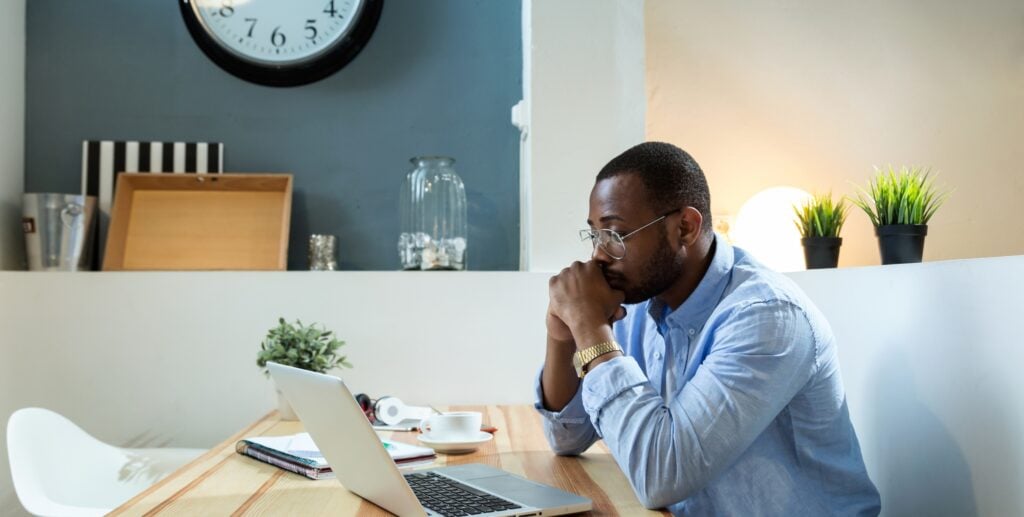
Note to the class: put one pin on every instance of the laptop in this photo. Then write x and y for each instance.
(333, 419)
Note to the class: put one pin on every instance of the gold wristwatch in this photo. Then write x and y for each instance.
(582, 358)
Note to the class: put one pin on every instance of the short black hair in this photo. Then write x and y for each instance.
(671, 176)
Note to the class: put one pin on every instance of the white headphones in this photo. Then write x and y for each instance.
(391, 411)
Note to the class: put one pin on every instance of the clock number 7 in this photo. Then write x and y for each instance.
(331, 10)
(310, 27)
(251, 27)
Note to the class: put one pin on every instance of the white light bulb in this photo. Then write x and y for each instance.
(764, 227)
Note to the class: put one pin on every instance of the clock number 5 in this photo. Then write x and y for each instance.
(277, 39)
(311, 29)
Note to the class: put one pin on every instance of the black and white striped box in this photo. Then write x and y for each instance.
(103, 160)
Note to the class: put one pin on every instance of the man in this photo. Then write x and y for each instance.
(725, 397)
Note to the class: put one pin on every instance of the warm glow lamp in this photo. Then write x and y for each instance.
(764, 227)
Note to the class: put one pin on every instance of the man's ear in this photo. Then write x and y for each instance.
(690, 225)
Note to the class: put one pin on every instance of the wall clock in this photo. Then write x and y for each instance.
(281, 42)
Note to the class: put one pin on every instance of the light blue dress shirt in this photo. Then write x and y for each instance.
(732, 404)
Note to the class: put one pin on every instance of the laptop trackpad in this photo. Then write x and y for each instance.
(527, 492)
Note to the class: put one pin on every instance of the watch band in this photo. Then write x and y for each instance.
(582, 358)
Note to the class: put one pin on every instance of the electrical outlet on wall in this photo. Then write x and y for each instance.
(723, 224)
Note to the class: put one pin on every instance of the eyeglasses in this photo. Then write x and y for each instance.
(611, 242)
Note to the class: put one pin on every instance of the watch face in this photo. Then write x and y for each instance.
(281, 42)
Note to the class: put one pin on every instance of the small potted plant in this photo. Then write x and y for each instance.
(820, 220)
(303, 346)
(900, 203)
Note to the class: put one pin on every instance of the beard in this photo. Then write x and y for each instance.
(657, 274)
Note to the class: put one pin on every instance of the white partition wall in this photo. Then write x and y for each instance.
(930, 357)
(149, 359)
(12, 131)
(584, 92)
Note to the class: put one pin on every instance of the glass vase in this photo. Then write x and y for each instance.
(433, 216)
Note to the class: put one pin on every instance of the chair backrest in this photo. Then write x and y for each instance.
(59, 469)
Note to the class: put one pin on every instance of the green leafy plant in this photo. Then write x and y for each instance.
(906, 196)
(301, 346)
(820, 216)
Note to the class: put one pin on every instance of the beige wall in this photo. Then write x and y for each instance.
(813, 94)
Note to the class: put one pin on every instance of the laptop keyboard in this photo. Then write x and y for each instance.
(453, 499)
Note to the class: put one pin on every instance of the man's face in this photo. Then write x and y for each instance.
(650, 265)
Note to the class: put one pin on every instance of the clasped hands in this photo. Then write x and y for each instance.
(582, 306)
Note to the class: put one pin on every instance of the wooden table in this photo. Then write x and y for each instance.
(223, 482)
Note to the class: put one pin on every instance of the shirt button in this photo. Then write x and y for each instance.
(657, 355)
(692, 332)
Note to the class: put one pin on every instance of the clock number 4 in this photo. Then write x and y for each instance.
(331, 10)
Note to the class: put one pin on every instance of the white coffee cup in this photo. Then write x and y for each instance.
(453, 426)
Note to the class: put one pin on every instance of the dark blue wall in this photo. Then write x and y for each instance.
(437, 77)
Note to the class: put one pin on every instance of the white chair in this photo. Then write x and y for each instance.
(60, 470)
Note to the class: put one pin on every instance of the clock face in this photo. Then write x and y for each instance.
(281, 42)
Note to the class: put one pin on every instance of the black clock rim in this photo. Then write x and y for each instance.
(341, 54)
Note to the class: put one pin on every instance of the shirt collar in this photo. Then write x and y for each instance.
(698, 306)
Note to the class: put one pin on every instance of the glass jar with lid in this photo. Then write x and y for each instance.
(433, 216)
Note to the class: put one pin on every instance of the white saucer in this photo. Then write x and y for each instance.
(454, 447)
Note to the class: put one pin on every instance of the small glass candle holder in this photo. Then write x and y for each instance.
(321, 252)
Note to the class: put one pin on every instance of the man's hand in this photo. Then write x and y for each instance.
(582, 300)
(557, 329)
(581, 308)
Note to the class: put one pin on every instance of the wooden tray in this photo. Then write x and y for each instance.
(198, 221)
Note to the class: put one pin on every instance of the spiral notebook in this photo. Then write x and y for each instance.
(299, 454)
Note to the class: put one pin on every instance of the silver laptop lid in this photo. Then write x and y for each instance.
(344, 436)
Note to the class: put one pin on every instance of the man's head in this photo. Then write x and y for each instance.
(646, 182)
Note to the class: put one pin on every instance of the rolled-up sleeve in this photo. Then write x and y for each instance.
(569, 431)
(762, 354)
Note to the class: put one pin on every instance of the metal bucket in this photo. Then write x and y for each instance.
(58, 231)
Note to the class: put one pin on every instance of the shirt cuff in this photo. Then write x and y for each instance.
(572, 413)
(609, 380)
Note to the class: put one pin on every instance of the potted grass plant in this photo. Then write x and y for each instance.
(302, 346)
(820, 220)
(900, 203)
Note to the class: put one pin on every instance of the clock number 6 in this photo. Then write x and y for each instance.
(311, 28)
(277, 38)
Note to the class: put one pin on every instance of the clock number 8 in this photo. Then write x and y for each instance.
(227, 8)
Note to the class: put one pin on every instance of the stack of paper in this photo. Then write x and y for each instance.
(297, 453)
